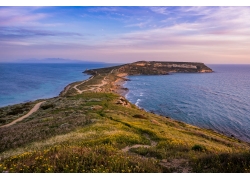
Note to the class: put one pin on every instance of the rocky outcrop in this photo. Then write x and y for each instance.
(154, 68)
(122, 101)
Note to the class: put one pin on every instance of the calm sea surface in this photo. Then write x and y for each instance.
(218, 101)
(25, 82)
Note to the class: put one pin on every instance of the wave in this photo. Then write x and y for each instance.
(137, 102)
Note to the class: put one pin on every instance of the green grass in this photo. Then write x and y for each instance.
(76, 159)
(69, 134)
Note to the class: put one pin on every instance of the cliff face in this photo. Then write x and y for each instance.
(154, 68)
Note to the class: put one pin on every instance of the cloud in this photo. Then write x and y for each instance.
(103, 9)
(140, 24)
(210, 33)
(17, 16)
(160, 10)
(27, 17)
(21, 33)
(160, 32)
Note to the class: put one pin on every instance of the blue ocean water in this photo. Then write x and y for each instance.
(218, 100)
(26, 82)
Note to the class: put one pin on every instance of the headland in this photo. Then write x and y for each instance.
(111, 78)
(91, 127)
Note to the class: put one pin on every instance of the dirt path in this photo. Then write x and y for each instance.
(95, 87)
(153, 143)
(78, 90)
(34, 109)
(179, 165)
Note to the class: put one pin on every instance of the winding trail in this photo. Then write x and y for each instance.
(78, 90)
(153, 143)
(92, 87)
(179, 165)
(34, 109)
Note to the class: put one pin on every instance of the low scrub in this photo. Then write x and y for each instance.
(139, 116)
(198, 147)
(223, 163)
(98, 159)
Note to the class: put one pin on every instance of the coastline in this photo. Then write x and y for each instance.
(93, 114)
(117, 88)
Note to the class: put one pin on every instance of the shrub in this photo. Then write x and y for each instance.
(223, 163)
(139, 116)
(47, 106)
(197, 147)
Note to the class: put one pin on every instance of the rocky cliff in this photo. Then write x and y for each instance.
(154, 68)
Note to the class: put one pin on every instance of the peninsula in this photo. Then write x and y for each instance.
(111, 78)
(91, 127)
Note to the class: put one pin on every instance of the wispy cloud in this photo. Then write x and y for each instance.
(20, 33)
(140, 24)
(160, 10)
(103, 9)
(134, 32)
(17, 16)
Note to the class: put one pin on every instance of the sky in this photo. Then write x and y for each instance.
(121, 34)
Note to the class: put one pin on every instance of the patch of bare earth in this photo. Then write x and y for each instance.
(179, 165)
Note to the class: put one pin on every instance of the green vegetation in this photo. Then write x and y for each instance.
(91, 132)
(77, 159)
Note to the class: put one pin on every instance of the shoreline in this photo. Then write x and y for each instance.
(123, 91)
(91, 127)
(118, 88)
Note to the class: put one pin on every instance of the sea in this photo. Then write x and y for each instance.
(219, 101)
(26, 82)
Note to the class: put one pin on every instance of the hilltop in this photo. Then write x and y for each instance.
(91, 127)
(154, 68)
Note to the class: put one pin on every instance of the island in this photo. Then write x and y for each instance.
(91, 127)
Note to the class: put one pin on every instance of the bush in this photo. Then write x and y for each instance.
(139, 116)
(223, 163)
(47, 106)
(15, 111)
(197, 147)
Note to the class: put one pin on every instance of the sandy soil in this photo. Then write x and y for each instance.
(118, 84)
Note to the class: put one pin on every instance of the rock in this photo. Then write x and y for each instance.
(64, 125)
(96, 107)
(122, 101)
(119, 102)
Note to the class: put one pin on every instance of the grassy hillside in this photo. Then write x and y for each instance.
(100, 131)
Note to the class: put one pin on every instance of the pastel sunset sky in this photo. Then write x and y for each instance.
(126, 33)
